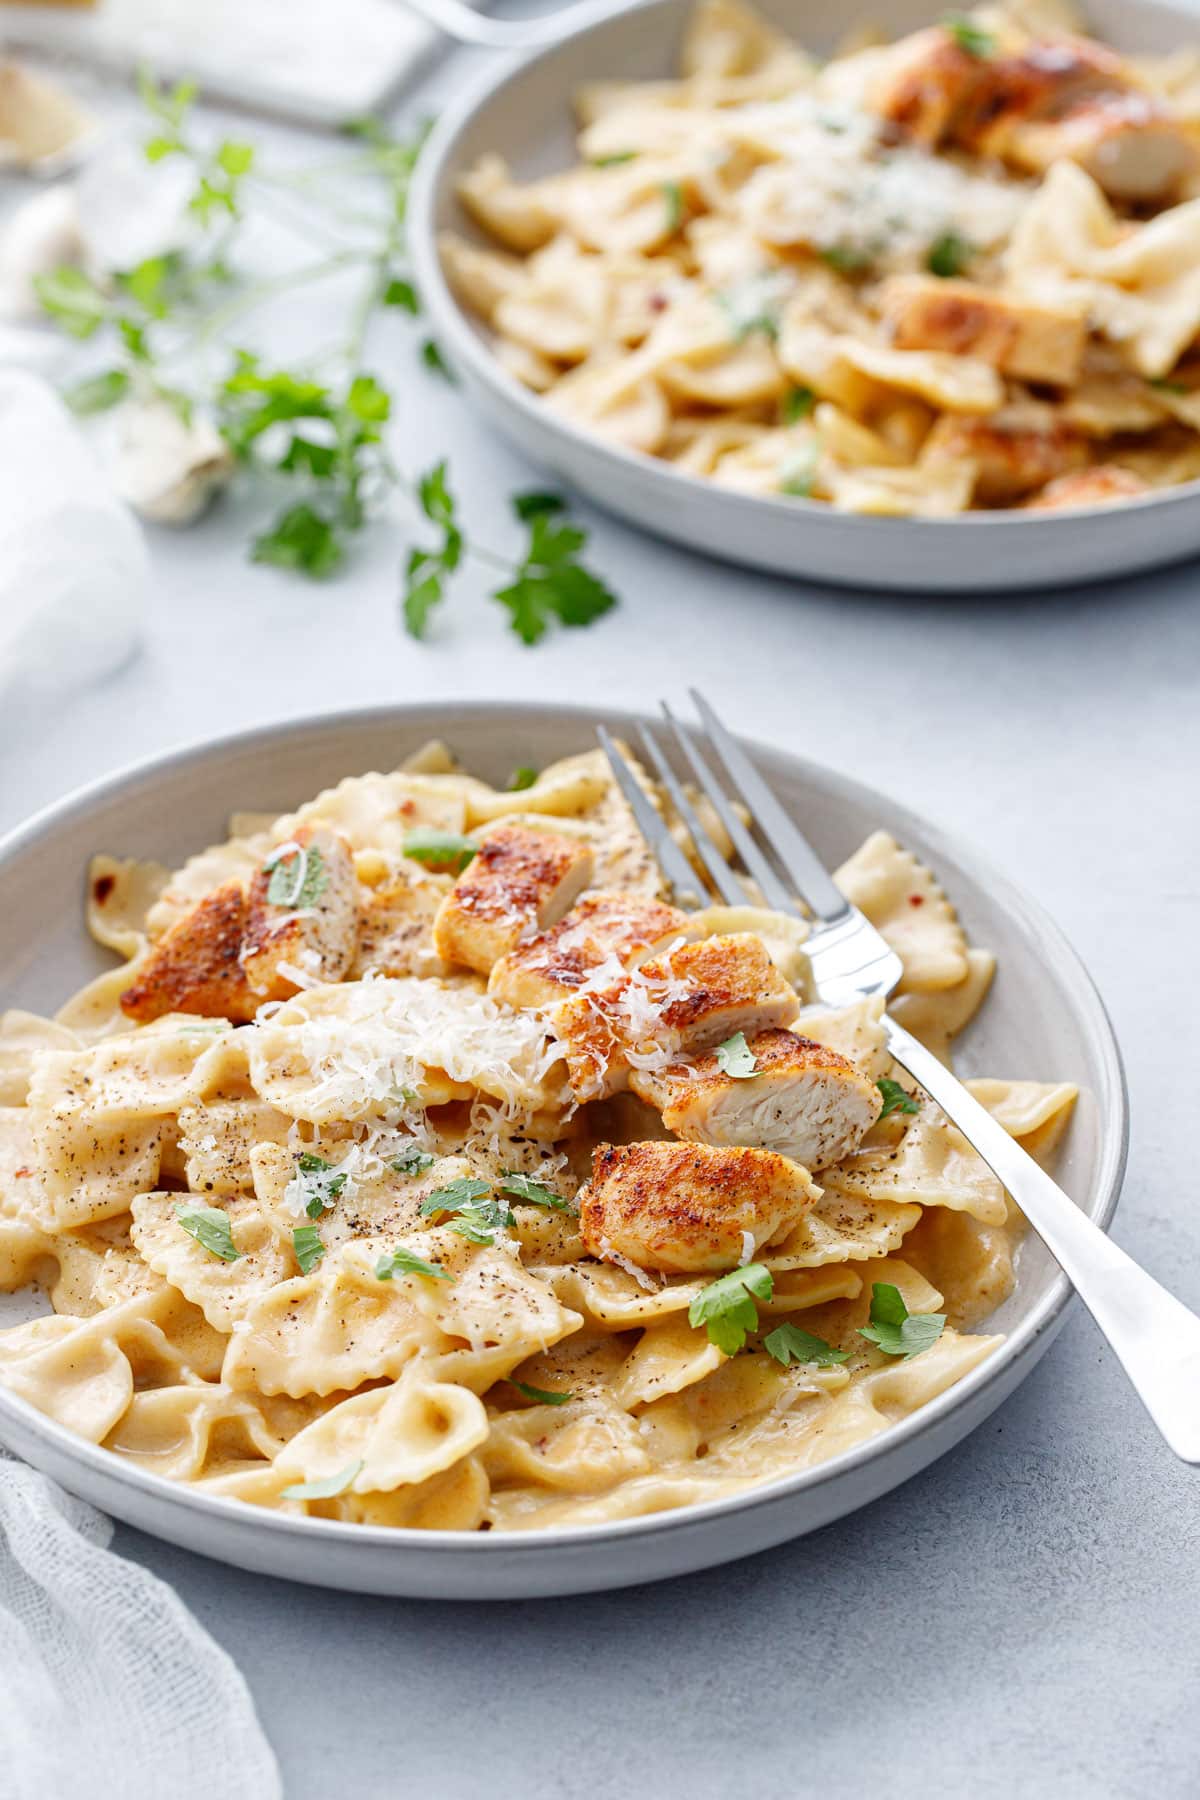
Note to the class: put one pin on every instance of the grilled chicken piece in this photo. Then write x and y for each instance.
(1014, 451)
(598, 927)
(520, 882)
(195, 966)
(670, 1007)
(804, 1100)
(309, 932)
(1018, 337)
(689, 1208)
(1098, 486)
(1054, 98)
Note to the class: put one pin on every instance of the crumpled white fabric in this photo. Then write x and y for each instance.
(109, 1688)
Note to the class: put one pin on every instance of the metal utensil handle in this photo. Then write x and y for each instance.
(1155, 1336)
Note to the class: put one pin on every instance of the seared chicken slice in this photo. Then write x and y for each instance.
(549, 967)
(520, 882)
(804, 1100)
(194, 967)
(689, 1208)
(669, 1008)
(1019, 337)
(1125, 141)
(301, 915)
(1098, 486)
(1014, 451)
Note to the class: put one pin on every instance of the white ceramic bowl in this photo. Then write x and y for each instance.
(1043, 1019)
(522, 110)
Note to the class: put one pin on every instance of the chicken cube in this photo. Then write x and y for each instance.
(599, 927)
(690, 1208)
(1125, 141)
(520, 882)
(669, 1008)
(803, 1100)
(1018, 337)
(195, 966)
(1014, 451)
(1098, 486)
(301, 915)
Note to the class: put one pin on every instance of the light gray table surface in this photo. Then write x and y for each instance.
(1022, 1618)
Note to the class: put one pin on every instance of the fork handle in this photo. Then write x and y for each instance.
(1154, 1335)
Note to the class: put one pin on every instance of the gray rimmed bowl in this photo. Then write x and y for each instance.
(522, 109)
(1043, 1020)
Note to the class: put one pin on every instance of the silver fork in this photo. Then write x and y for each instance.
(1154, 1335)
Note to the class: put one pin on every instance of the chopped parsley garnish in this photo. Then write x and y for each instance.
(431, 356)
(467, 1191)
(406, 1262)
(755, 304)
(796, 404)
(543, 1396)
(440, 849)
(411, 1160)
(298, 876)
(949, 255)
(522, 778)
(798, 474)
(735, 1058)
(319, 1182)
(847, 259)
(98, 392)
(328, 1487)
(550, 582)
(726, 1306)
(1168, 387)
(969, 35)
(895, 1330)
(536, 500)
(896, 1098)
(523, 1187)
(210, 1227)
(610, 162)
(788, 1344)
(306, 1242)
(479, 1224)
(673, 195)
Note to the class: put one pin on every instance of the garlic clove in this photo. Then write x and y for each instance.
(41, 127)
(169, 469)
(41, 235)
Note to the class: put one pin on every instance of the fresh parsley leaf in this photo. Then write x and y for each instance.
(949, 255)
(440, 849)
(235, 158)
(327, 1488)
(303, 456)
(403, 294)
(895, 1097)
(301, 539)
(456, 1195)
(735, 1057)
(969, 35)
(521, 778)
(543, 1396)
(895, 1330)
(479, 1224)
(306, 1242)
(1168, 387)
(432, 357)
(798, 474)
(673, 196)
(320, 1184)
(210, 1227)
(788, 1344)
(796, 404)
(847, 259)
(527, 506)
(368, 401)
(411, 1160)
(754, 304)
(427, 569)
(551, 582)
(72, 300)
(98, 392)
(726, 1306)
(611, 162)
(406, 1262)
(523, 1187)
(149, 282)
(298, 876)
(253, 399)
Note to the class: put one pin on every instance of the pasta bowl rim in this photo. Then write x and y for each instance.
(27, 1431)
(523, 415)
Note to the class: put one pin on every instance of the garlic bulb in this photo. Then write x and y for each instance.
(39, 236)
(41, 127)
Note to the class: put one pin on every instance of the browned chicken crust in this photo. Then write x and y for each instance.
(520, 881)
(194, 967)
(553, 964)
(1015, 451)
(686, 1208)
(1090, 487)
(319, 939)
(1020, 338)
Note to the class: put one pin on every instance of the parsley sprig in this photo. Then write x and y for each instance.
(726, 1306)
(210, 1227)
(172, 323)
(896, 1331)
(896, 1098)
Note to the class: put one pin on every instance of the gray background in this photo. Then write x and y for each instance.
(1021, 1619)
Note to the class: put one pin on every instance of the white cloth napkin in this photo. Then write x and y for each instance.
(109, 1689)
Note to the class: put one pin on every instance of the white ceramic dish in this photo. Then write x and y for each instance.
(1043, 1018)
(522, 110)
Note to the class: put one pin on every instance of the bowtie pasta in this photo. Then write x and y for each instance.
(953, 272)
(421, 1164)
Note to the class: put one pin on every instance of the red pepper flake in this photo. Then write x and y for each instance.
(916, 899)
(102, 888)
(24, 1173)
(658, 302)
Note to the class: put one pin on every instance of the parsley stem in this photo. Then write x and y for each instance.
(261, 291)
